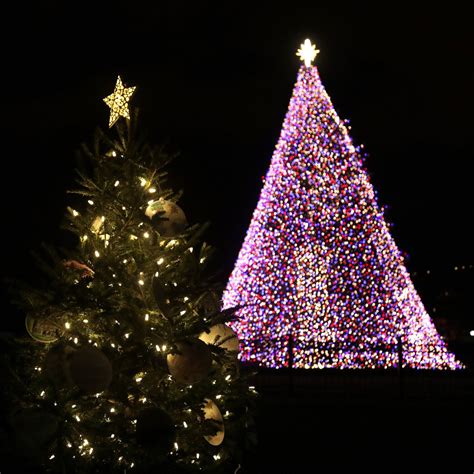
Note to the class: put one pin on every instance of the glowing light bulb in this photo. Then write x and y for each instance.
(307, 52)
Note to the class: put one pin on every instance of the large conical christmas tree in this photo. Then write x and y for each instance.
(318, 271)
(129, 365)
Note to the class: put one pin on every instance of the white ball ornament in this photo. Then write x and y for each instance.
(193, 362)
(212, 412)
(172, 220)
(219, 333)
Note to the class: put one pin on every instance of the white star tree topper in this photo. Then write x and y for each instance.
(307, 52)
(118, 101)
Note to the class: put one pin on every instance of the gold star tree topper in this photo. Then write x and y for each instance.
(118, 101)
(307, 52)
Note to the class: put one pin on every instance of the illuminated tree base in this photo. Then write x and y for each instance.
(346, 360)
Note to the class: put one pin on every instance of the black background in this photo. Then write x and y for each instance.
(214, 83)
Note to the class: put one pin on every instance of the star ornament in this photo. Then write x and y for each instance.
(307, 52)
(118, 101)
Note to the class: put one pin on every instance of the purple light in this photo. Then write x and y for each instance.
(318, 264)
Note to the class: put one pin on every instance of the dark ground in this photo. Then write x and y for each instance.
(347, 422)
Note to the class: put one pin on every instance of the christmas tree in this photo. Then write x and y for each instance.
(128, 365)
(318, 271)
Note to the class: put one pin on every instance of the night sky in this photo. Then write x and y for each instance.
(214, 84)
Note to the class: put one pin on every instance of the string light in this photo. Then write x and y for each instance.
(319, 271)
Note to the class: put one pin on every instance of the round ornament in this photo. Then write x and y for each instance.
(155, 429)
(35, 424)
(33, 429)
(212, 412)
(90, 370)
(219, 333)
(43, 330)
(193, 362)
(56, 364)
(171, 219)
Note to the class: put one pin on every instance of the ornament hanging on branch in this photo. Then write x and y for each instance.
(43, 330)
(155, 429)
(212, 412)
(75, 265)
(168, 218)
(221, 335)
(56, 364)
(192, 363)
(33, 429)
(90, 370)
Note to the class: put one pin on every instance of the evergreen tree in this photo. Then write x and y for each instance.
(129, 365)
(318, 271)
